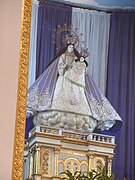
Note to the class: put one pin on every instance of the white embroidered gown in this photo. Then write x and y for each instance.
(69, 95)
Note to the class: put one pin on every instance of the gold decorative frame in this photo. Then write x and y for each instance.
(17, 166)
(18, 156)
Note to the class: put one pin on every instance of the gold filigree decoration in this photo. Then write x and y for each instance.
(73, 152)
(46, 162)
(73, 164)
(17, 166)
(99, 161)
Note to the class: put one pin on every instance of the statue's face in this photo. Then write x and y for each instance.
(70, 48)
(81, 59)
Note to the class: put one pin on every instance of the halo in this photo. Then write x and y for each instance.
(70, 36)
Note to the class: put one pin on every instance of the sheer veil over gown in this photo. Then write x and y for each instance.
(65, 96)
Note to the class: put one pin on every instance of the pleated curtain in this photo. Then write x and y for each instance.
(50, 16)
(33, 43)
(121, 90)
(94, 26)
(111, 64)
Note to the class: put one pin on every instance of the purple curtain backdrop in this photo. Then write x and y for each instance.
(121, 90)
(50, 16)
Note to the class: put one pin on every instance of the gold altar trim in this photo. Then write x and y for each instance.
(75, 141)
(100, 152)
(73, 159)
(37, 174)
(65, 151)
(83, 153)
(17, 165)
(71, 150)
(51, 136)
(86, 143)
(49, 152)
(44, 143)
(102, 144)
(64, 161)
(45, 176)
(72, 141)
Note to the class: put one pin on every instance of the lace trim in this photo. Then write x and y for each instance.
(104, 111)
(71, 103)
(37, 101)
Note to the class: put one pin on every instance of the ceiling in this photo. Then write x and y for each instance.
(105, 4)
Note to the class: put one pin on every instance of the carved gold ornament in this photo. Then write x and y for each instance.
(17, 166)
(46, 162)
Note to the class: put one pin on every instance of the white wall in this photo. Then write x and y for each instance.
(10, 22)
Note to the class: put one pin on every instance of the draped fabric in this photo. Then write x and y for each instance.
(45, 19)
(40, 94)
(40, 98)
(33, 42)
(32, 58)
(120, 71)
(121, 90)
(50, 16)
(95, 29)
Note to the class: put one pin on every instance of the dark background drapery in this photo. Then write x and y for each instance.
(50, 16)
(121, 75)
(121, 90)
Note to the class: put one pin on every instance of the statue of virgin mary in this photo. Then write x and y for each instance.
(65, 96)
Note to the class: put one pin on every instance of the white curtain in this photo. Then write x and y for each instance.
(95, 29)
(33, 42)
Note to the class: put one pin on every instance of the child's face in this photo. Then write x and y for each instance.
(81, 59)
(70, 48)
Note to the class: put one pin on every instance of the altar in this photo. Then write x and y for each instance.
(50, 151)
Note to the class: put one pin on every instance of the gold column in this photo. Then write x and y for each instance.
(37, 161)
(72, 166)
(90, 161)
(110, 158)
(56, 159)
(31, 161)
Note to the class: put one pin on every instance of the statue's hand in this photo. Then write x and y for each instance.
(61, 69)
(63, 56)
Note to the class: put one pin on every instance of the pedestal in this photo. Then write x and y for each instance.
(51, 151)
